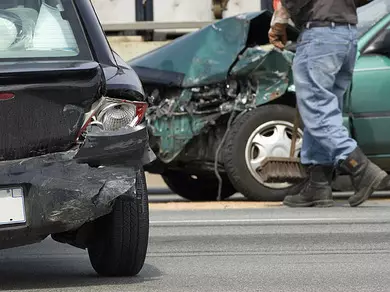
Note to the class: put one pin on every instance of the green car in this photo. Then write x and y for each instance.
(221, 100)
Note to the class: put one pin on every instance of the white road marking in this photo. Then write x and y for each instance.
(268, 220)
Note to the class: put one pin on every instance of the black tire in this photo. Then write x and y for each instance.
(199, 188)
(122, 236)
(234, 152)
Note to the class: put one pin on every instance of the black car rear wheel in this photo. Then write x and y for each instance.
(197, 188)
(121, 242)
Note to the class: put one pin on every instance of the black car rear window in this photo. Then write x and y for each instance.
(41, 29)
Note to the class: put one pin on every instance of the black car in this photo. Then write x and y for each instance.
(73, 136)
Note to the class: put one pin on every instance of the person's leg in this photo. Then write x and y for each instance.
(315, 72)
(317, 190)
(343, 82)
(322, 54)
(312, 152)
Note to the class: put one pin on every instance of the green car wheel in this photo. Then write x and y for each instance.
(264, 131)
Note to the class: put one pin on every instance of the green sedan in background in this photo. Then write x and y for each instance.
(196, 84)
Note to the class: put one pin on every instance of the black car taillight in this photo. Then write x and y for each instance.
(112, 114)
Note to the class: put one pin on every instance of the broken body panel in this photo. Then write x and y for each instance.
(69, 168)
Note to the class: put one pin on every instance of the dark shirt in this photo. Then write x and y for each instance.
(303, 11)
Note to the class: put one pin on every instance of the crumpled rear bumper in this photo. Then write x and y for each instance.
(61, 194)
(62, 191)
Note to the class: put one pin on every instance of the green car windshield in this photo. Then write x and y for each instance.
(370, 14)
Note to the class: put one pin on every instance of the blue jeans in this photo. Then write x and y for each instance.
(322, 69)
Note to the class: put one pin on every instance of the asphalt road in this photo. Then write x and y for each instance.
(217, 247)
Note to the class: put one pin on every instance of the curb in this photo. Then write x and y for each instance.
(340, 195)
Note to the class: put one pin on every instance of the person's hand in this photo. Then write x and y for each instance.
(277, 35)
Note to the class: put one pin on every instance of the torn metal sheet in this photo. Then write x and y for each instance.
(267, 69)
(61, 194)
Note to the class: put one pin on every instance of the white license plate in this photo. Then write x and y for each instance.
(12, 209)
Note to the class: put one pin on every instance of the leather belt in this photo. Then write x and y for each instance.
(312, 24)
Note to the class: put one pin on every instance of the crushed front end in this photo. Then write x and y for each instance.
(197, 81)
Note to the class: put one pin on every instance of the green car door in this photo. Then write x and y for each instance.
(368, 105)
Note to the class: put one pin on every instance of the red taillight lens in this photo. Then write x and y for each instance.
(6, 96)
(141, 110)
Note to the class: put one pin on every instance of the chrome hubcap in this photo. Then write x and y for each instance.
(270, 139)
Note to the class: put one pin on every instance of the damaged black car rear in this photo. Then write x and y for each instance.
(73, 137)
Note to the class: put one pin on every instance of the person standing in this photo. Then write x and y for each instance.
(322, 68)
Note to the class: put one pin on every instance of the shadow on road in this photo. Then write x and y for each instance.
(34, 274)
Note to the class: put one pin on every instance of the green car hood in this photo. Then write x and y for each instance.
(208, 55)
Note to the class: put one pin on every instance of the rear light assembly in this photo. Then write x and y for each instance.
(6, 96)
(111, 114)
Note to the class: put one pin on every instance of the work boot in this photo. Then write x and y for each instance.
(317, 191)
(366, 177)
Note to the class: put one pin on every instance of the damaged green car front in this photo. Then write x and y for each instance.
(195, 80)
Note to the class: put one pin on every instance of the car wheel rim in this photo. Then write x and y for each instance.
(270, 139)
